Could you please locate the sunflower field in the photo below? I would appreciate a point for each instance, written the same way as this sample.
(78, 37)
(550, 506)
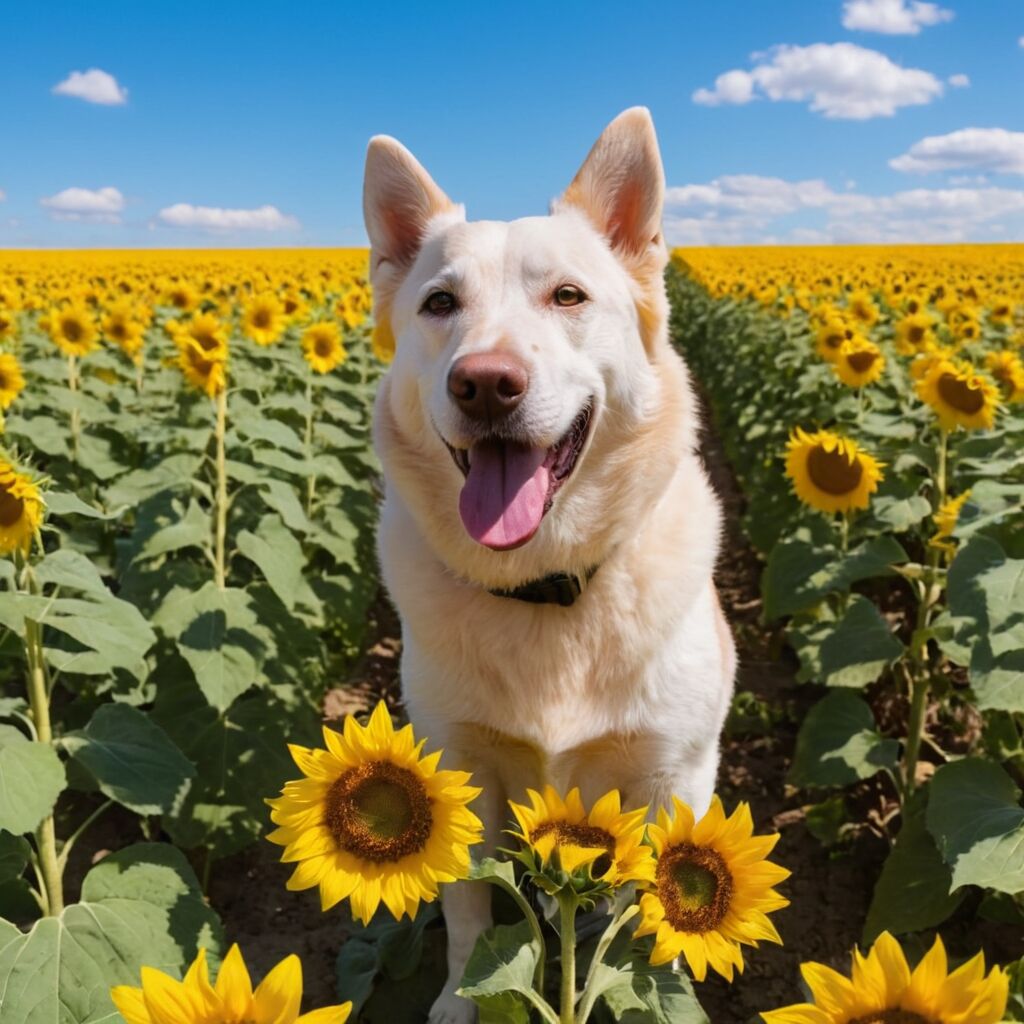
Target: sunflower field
(188, 499)
(871, 405)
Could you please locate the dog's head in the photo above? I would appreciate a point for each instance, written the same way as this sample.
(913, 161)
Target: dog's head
(529, 355)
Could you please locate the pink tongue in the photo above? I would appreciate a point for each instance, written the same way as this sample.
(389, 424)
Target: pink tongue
(502, 500)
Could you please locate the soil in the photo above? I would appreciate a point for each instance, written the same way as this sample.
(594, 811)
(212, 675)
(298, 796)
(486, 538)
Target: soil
(830, 887)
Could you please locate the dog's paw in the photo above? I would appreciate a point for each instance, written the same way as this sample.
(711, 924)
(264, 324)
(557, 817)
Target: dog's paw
(449, 1008)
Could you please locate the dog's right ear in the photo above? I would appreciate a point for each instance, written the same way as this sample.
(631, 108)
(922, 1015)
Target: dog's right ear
(399, 201)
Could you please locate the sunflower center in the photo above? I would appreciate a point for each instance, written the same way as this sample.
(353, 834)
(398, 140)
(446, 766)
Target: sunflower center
(832, 471)
(835, 339)
(3, 382)
(959, 394)
(892, 1017)
(11, 508)
(72, 329)
(915, 334)
(379, 812)
(206, 341)
(117, 330)
(861, 361)
(261, 319)
(290, 305)
(323, 346)
(695, 887)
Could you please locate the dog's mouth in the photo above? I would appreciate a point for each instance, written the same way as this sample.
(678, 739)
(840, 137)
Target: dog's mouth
(511, 486)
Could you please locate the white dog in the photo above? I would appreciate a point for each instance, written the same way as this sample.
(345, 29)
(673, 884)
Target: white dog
(548, 533)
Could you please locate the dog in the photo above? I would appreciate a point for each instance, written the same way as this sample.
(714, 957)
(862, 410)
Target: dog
(548, 533)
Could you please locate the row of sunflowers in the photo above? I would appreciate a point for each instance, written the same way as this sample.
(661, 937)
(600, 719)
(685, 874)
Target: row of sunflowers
(871, 403)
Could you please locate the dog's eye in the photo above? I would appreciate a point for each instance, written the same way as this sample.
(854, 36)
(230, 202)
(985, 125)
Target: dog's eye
(569, 295)
(439, 303)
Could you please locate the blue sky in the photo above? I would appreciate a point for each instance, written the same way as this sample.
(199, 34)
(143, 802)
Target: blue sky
(246, 124)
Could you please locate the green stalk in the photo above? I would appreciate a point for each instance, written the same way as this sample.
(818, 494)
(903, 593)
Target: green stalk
(567, 933)
(46, 834)
(589, 996)
(311, 481)
(221, 500)
(76, 416)
(929, 592)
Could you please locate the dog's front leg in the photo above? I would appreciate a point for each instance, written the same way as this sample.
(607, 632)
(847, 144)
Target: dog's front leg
(467, 907)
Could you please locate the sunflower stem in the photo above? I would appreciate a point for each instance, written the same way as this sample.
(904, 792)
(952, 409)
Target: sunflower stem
(311, 480)
(589, 996)
(39, 701)
(567, 933)
(76, 422)
(221, 500)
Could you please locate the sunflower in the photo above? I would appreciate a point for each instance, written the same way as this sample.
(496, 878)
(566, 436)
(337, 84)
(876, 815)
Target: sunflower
(713, 889)
(914, 334)
(607, 841)
(382, 340)
(162, 999)
(21, 510)
(831, 336)
(862, 308)
(373, 821)
(1000, 311)
(829, 472)
(7, 323)
(73, 330)
(945, 519)
(11, 380)
(1008, 369)
(883, 990)
(960, 396)
(121, 327)
(205, 370)
(183, 297)
(263, 318)
(859, 362)
(354, 307)
(322, 347)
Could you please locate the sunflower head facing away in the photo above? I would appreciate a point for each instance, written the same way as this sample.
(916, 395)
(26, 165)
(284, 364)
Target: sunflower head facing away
(373, 821)
(162, 999)
(831, 473)
(607, 842)
(959, 395)
(1008, 369)
(713, 889)
(322, 347)
(21, 510)
(883, 990)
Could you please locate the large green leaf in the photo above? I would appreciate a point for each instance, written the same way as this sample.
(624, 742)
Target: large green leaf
(637, 993)
(839, 743)
(132, 759)
(67, 568)
(988, 587)
(913, 891)
(975, 817)
(278, 555)
(860, 646)
(31, 779)
(220, 637)
(193, 529)
(140, 906)
(800, 572)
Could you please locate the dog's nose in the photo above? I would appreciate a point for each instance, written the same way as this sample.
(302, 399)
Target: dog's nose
(487, 385)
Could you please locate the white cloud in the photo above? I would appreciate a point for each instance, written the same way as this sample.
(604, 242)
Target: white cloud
(93, 86)
(959, 81)
(744, 209)
(840, 80)
(215, 218)
(995, 150)
(893, 17)
(103, 205)
(1020, 42)
(3, 195)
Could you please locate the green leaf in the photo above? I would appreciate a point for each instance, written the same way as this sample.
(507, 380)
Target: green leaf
(192, 530)
(859, 648)
(14, 855)
(975, 817)
(900, 514)
(31, 779)
(60, 503)
(638, 993)
(273, 432)
(913, 891)
(503, 961)
(223, 643)
(988, 587)
(278, 555)
(132, 759)
(800, 573)
(68, 568)
(175, 473)
(140, 906)
(998, 682)
(839, 744)
(281, 498)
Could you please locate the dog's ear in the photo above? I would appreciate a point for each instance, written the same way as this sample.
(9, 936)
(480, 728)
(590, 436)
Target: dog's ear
(399, 201)
(621, 185)
(621, 189)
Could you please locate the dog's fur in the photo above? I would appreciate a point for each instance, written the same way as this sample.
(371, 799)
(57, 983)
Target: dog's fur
(628, 687)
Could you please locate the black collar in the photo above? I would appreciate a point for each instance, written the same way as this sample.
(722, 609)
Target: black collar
(562, 588)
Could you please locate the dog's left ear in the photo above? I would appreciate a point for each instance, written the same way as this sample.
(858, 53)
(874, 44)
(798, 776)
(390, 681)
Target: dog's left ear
(621, 185)
(621, 190)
